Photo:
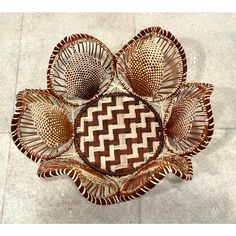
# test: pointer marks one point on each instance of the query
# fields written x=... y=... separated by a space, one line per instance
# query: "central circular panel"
x=118 y=133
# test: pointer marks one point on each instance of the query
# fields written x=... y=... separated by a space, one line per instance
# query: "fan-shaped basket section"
x=188 y=122
x=153 y=64
x=80 y=68
x=94 y=186
x=151 y=174
x=41 y=126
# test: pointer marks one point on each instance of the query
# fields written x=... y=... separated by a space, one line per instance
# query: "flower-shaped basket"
x=115 y=124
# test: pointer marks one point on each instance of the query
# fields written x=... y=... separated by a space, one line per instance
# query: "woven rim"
x=201 y=92
x=123 y=55
x=153 y=172
x=73 y=169
x=21 y=107
x=67 y=42
x=77 y=141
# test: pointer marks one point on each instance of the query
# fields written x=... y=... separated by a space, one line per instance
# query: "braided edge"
x=166 y=168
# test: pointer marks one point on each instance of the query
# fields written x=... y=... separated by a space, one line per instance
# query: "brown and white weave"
x=122 y=148
x=83 y=74
x=118 y=134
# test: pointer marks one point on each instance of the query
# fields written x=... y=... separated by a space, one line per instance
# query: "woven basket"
x=115 y=124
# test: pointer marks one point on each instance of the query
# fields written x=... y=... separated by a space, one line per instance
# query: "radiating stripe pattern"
x=118 y=134
x=80 y=68
x=189 y=121
x=41 y=126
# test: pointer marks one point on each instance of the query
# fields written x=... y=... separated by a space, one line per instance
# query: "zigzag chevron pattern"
x=117 y=134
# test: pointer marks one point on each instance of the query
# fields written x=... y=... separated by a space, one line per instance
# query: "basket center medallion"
x=118 y=133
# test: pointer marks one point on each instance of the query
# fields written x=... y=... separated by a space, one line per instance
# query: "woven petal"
x=151 y=174
x=94 y=186
x=41 y=126
x=188 y=122
x=152 y=64
x=80 y=68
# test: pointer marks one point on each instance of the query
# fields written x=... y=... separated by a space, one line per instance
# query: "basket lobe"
x=52 y=123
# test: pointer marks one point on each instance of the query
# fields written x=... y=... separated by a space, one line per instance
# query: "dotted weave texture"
x=146 y=68
x=52 y=123
x=181 y=120
x=82 y=76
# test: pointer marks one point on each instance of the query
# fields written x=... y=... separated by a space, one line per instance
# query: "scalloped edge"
x=165 y=169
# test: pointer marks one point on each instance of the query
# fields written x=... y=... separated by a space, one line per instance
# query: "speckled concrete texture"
x=209 y=40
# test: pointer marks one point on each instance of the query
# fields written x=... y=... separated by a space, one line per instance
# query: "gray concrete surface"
x=209 y=41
